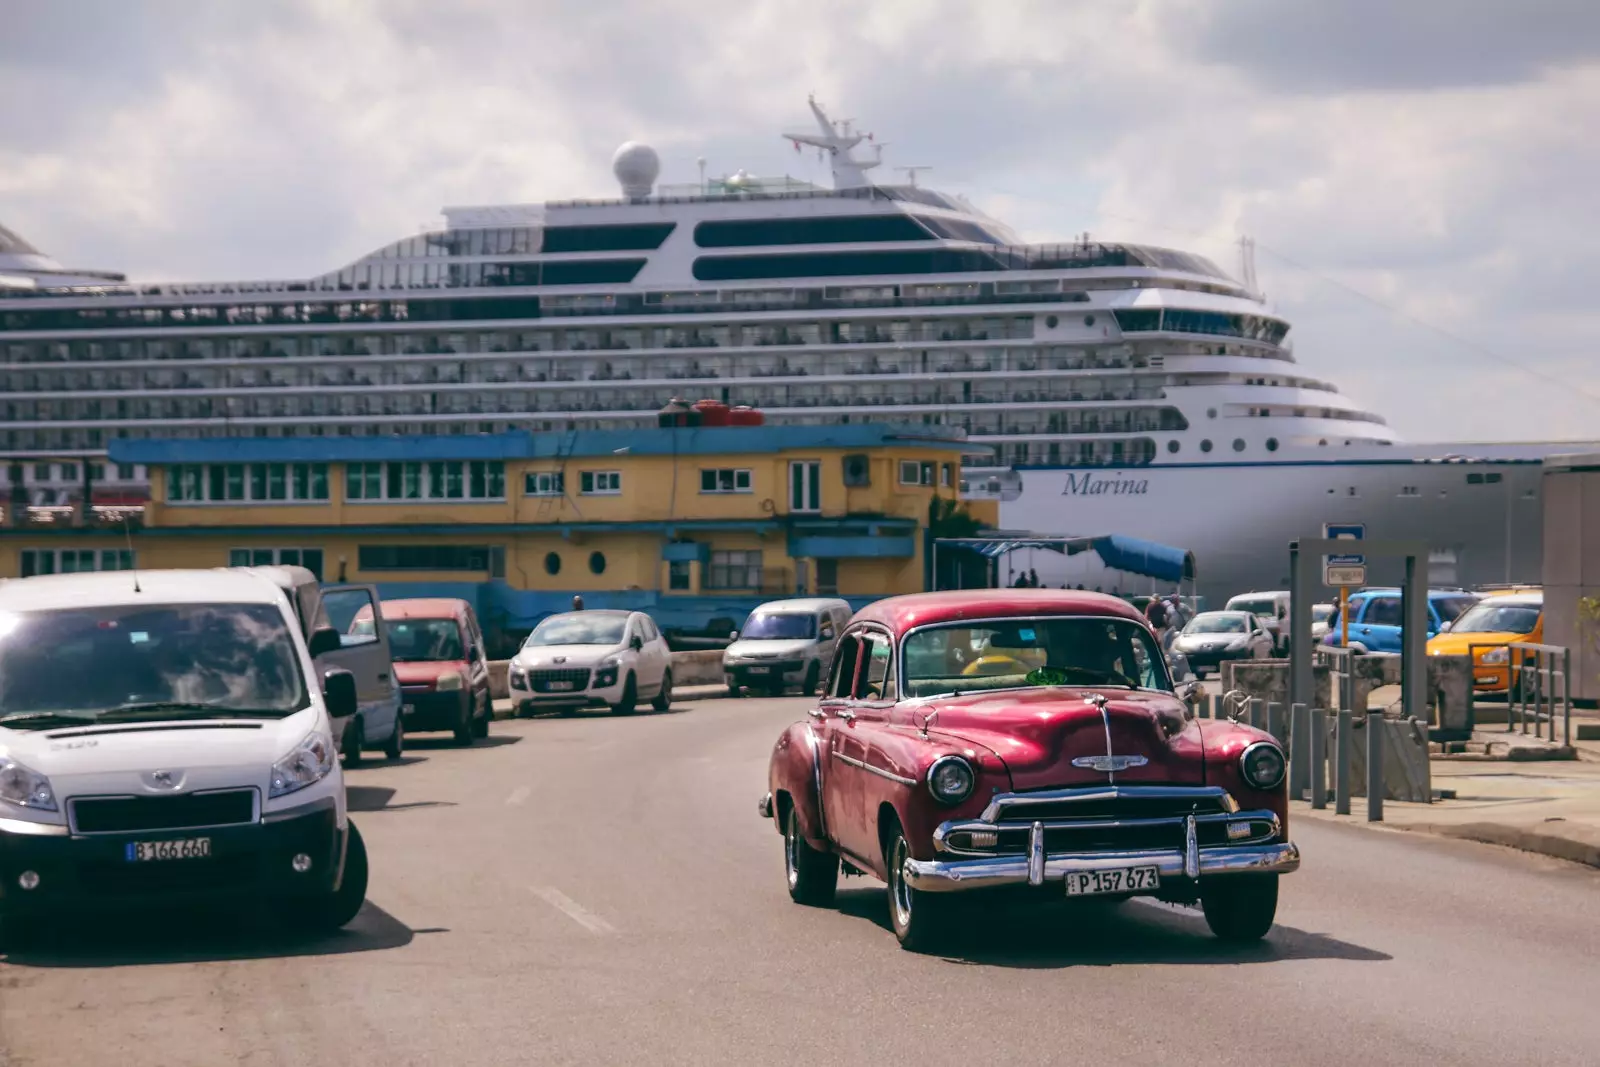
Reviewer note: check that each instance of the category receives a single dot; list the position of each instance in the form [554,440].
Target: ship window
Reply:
[1211,413]
[1172,446]
[1138,320]
[739,233]
[1205,446]
[1051,321]
[1492,478]
[1272,444]
[1238,444]
[1474,479]
[842,264]
[589,272]
[641,237]
[1410,490]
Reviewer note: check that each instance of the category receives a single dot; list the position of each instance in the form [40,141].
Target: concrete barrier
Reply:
[688,668]
[1449,685]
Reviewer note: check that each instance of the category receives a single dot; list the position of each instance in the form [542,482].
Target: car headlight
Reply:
[307,763]
[25,788]
[606,672]
[448,683]
[1262,765]
[1497,655]
[951,779]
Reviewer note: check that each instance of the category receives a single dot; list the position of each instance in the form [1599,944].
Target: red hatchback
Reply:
[1027,738]
[440,663]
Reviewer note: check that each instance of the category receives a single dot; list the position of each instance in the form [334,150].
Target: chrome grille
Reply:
[576,678]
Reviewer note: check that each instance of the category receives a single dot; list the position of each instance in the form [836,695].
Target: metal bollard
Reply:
[1208,706]
[1341,762]
[1374,766]
[1255,713]
[1299,750]
[1319,758]
[1275,720]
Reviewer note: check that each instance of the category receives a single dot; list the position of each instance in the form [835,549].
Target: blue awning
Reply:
[1131,555]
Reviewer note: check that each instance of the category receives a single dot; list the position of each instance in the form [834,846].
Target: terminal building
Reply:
[695,524]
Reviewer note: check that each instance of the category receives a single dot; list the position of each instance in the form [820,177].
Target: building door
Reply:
[805,485]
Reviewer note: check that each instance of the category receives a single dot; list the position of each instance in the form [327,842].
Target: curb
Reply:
[1487,833]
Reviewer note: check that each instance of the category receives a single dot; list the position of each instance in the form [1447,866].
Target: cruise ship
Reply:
[1121,388]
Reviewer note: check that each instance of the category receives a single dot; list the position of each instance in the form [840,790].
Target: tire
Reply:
[480,725]
[813,677]
[335,910]
[917,918]
[1240,907]
[467,728]
[663,699]
[630,697]
[813,876]
[355,735]
[735,690]
[395,747]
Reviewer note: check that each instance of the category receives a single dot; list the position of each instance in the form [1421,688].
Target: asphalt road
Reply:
[600,891]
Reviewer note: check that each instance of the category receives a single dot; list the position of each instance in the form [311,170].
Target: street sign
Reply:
[1342,575]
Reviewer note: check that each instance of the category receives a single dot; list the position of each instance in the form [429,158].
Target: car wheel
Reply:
[467,727]
[1240,907]
[813,875]
[813,675]
[630,697]
[663,700]
[480,725]
[335,910]
[735,690]
[396,745]
[917,917]
[355,736]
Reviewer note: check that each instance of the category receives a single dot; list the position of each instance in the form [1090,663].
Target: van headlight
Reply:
[307,763]
[1497,655]
[24,787]
[448,683]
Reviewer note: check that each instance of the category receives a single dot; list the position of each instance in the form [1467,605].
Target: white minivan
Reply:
[165,738]
[784,643]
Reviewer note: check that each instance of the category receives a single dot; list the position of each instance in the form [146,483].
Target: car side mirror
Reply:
[733,635]
[1445,628]
[472,653]
[1188,692]
[637,644]
[324,639]
[339,692]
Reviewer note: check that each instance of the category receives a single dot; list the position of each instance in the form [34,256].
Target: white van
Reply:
[784,643]
[1272,608]
[165,738]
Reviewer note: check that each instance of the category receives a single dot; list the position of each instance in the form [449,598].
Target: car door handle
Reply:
[848,716]
[817,713]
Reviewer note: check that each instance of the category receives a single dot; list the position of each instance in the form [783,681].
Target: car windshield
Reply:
[1451,608]
[1263,606]
[1487,617]
[1323,612]
[579,628]
[424,640]
[778,626]
[128,661]
[1217,623]
[1013,654]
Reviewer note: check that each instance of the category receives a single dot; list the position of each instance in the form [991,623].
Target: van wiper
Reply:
[43,720]
[182,709]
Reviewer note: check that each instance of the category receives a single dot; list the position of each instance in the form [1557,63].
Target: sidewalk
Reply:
[503,709]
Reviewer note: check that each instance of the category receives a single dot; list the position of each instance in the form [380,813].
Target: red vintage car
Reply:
[969,741]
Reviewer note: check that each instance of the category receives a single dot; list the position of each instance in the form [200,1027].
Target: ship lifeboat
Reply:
[746,416]
[712,413]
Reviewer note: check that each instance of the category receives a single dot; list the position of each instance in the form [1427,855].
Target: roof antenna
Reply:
[127,534]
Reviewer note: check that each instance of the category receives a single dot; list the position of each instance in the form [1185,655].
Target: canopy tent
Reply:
[1131,555]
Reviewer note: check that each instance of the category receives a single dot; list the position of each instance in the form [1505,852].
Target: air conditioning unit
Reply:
[857,471]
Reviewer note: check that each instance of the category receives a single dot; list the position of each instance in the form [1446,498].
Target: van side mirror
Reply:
[324,639]
[339,692]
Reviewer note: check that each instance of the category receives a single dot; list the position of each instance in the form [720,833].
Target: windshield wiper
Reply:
[43,720]
[182,709]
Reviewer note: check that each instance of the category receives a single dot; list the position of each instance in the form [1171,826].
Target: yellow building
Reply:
[694,524]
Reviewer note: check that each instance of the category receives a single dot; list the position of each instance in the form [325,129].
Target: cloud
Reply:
[1431,154]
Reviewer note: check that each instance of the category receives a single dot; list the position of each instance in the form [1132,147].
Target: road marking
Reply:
[518,795]
[573,910]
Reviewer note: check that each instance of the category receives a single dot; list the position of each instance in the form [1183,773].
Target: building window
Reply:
[423,557]
[678,574]
[735,569]
[69,472]
[1272,444]
[600,483]
[74,560]
[946,475]
[309,558]
[552,563]
[914,473]
[251,483]
[543,483]
[436,480]
[41,472]
[597,562]
[124,472]
[725,480]
[827,577]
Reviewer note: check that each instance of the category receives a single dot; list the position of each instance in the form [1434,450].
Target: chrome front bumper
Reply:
[957,875]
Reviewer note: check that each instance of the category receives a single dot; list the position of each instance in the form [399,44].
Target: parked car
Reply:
[1272,608]
[165,740]
[783,643]
[1491,629]
[376,720]
[583,659]
[440,661]
[1084,776]
[1377,622]
[1213,637]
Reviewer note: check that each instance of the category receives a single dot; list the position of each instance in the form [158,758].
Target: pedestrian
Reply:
[1033,578]
[1155,614]
[577,603]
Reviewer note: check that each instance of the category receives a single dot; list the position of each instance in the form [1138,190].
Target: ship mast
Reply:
[836,139]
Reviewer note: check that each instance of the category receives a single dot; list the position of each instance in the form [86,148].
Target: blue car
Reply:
[1376,619]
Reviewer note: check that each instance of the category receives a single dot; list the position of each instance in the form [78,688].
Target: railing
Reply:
[1340,662]
[1538,687]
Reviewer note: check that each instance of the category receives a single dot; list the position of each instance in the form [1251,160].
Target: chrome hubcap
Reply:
[899,890]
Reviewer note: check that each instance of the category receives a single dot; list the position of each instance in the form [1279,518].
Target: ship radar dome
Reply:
[636,167]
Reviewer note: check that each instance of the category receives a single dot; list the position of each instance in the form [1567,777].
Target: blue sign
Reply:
[1353,531]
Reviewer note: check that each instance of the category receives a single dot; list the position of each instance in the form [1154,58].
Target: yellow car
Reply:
[1490,627]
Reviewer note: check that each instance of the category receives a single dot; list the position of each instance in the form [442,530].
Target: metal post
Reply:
[1319,758]
[1414,639]
[1341,762]
[1566,696]
[1300,592]
[1275,720]
[1299,750]
[1255,712]
[1374,766]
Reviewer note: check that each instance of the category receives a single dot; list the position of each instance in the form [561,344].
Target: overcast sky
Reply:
[1438,156]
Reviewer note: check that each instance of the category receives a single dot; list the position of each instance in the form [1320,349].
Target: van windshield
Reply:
[779,626]
[147,661]
[424,640]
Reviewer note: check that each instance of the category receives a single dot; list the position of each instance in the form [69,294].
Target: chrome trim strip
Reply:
[32,829]
[816,776]
[764,806]
[943,876]
[941,834]
[1100,701]
[1191,849]
[870,769]
[1107,792]
[1036,854]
